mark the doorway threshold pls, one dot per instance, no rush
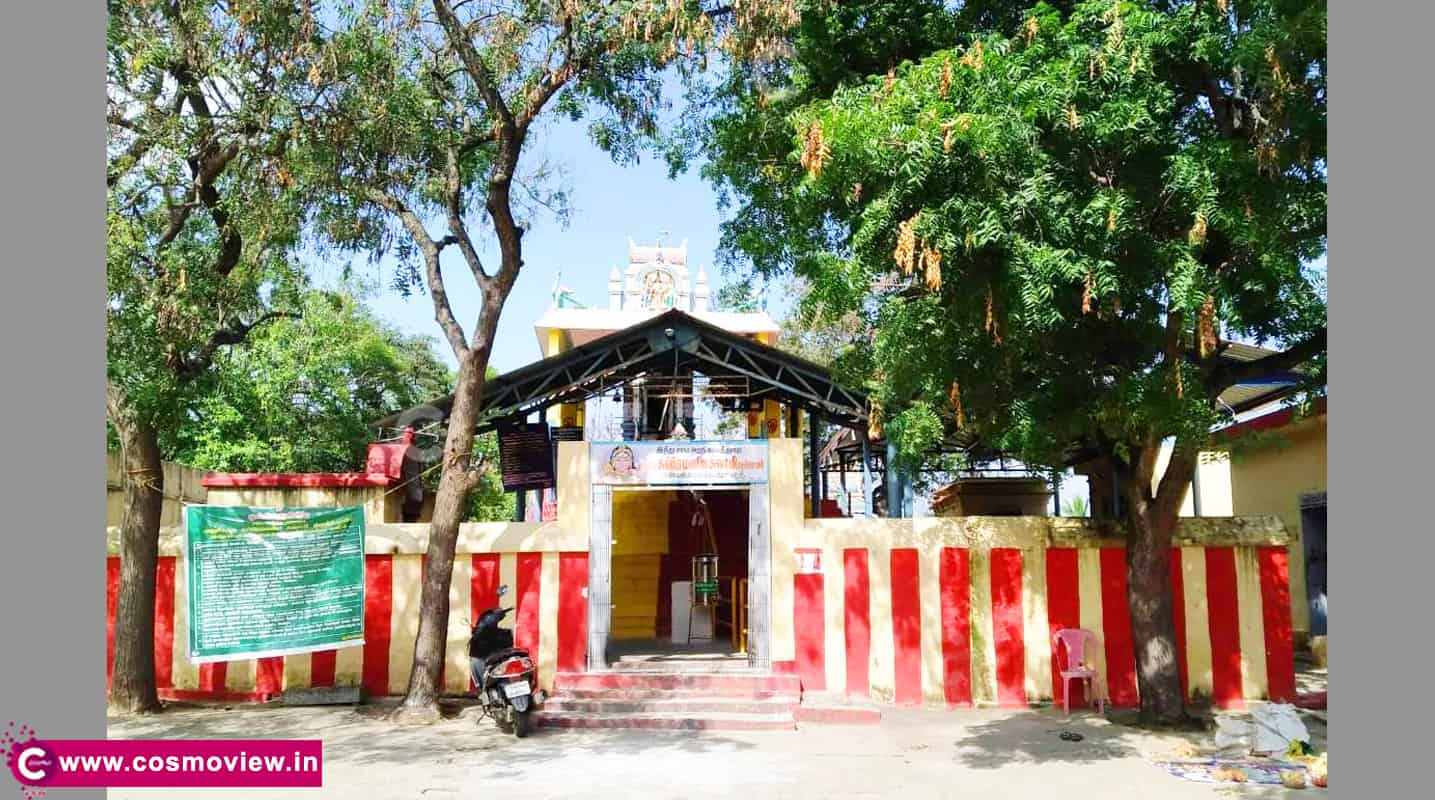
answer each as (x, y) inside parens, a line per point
(658, 655)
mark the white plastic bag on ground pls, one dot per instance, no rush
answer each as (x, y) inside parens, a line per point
(1276, 726)
(1232, 733)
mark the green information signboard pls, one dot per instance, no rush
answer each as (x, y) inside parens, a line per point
(267, 582)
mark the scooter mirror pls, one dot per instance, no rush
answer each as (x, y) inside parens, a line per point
(503, 590)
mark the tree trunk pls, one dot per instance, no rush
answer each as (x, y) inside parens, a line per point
(1151, 523)
(1153, 626)
(421, 698)
(132, 685)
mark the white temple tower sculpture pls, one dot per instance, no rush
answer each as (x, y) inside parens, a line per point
(657, 278)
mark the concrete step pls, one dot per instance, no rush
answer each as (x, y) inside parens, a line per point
(680, 664)
(709, 721)
(718, 682)
(785, 695)
(836, 714)
(671, 705)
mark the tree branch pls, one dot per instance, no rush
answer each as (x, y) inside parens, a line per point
(187, 368)
(458, 232)
(473, 64)
(1229, 374)
(552, 79)
(1179, 471)
(443, 312)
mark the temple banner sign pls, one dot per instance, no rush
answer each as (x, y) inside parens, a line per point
(274, 581)
(678, 463)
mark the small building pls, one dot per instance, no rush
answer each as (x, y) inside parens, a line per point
(1278, 467)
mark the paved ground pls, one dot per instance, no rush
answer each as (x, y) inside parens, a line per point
(912, 753)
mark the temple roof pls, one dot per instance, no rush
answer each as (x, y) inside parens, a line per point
(658, 344)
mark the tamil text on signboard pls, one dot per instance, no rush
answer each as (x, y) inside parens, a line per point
(267, 582)
(525, 454)
(677, 463)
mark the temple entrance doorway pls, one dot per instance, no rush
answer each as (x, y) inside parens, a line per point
(647, 545)
(679, 577)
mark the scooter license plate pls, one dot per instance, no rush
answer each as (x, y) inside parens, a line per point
(517, 689)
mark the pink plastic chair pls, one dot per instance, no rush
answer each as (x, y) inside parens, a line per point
(1075, 641)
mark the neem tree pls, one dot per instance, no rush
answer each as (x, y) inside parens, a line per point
(301, 394)
(423, 144)
(1053, 229)
(201, 218)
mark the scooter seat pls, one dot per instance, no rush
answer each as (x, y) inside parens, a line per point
(501, 655)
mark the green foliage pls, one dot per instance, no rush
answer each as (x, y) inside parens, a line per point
(201, 214)
(822, 338)
(747, 140)
(1076, 507)
(435, 116)
(739, 296)
(488, 502)
(300, 396)
(1035, 221)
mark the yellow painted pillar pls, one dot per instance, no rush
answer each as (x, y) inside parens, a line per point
(771, 419)
(567, 415)
(1035, 628)
(1255, 682)
(407, 574)
(771, 409)
(460, 602)
(984, 648)
(1088, 565)
(547, 654)
(785, 498)
(1198, 622)
(929, 596)
(184, 673)
(882, 657)
(754, 420)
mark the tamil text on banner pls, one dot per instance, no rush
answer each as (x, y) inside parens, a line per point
(269, 582)
(678, 463)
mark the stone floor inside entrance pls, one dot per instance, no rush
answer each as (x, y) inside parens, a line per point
(659, 654)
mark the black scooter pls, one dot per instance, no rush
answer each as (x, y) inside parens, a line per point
(504, 676)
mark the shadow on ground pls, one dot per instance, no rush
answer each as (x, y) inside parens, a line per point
(1036, 737)
(363, 736)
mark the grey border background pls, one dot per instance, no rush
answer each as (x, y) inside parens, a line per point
(52, 575)
(1379, 451)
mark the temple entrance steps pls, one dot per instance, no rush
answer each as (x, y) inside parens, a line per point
(685, 697)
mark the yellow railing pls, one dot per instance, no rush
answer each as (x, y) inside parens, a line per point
(736, 617)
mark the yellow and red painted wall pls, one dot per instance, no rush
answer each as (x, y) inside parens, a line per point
(546, 576)
(934, 611)
(961, 612)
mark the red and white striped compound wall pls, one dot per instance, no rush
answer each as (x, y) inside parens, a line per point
(947, 612)
(958, 619)
(546, 588)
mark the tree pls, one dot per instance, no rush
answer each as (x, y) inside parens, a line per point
(301, 394)
(1055, 229)
(429, 125)
(745, 133)
(200, 220)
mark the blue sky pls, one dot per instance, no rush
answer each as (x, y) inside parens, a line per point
(609, 203)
